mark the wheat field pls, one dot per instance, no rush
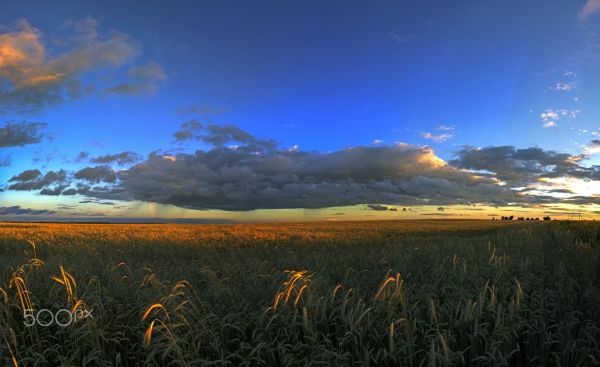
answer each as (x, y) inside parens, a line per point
(390, 293)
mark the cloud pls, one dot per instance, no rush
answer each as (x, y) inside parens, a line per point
(187, 130)
(96, 174)
(142, 80)
(563, 86)
(590, 8)
(442, 137)
(120, 158)
(54, 191)
(27, 175)
(182, 135)
(522, 167)
(592, 148)
(550, 117)
(256, 174)
(33, 77)
(82, 156)
(438, 138)
(34, 180)
(219, 135)
(20, 134)
(17, 210)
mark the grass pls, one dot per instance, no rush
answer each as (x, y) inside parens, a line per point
(391, 293)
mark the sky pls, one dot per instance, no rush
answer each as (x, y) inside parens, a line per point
(299, 110)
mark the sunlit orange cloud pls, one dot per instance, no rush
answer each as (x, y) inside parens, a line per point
(21, 54)
(41, 80)
(9, 55)
(431, 159)
(25, 65)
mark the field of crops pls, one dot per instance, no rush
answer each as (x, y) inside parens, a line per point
(476, 293)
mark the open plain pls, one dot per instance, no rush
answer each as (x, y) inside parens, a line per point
(431, 292)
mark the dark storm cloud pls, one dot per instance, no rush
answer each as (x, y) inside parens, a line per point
(96, 174)
(187, 130)
(256, 174)
(33, 180)
(219, 135)
(82, 156)
(183, 135)
(27, 175)
(245, 178)
(17, 210)
(20, 134)
(55, 191)
(120, 158)
(520, 167)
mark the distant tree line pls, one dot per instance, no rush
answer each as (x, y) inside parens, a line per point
(521, 218)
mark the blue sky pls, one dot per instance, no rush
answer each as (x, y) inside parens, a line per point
(322, 76)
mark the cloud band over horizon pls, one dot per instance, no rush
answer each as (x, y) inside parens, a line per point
(241, 172)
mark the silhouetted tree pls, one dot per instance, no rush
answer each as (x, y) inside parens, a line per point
(546, 218)
(511, 217)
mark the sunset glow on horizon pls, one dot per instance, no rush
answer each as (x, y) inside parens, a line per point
(212, 112)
